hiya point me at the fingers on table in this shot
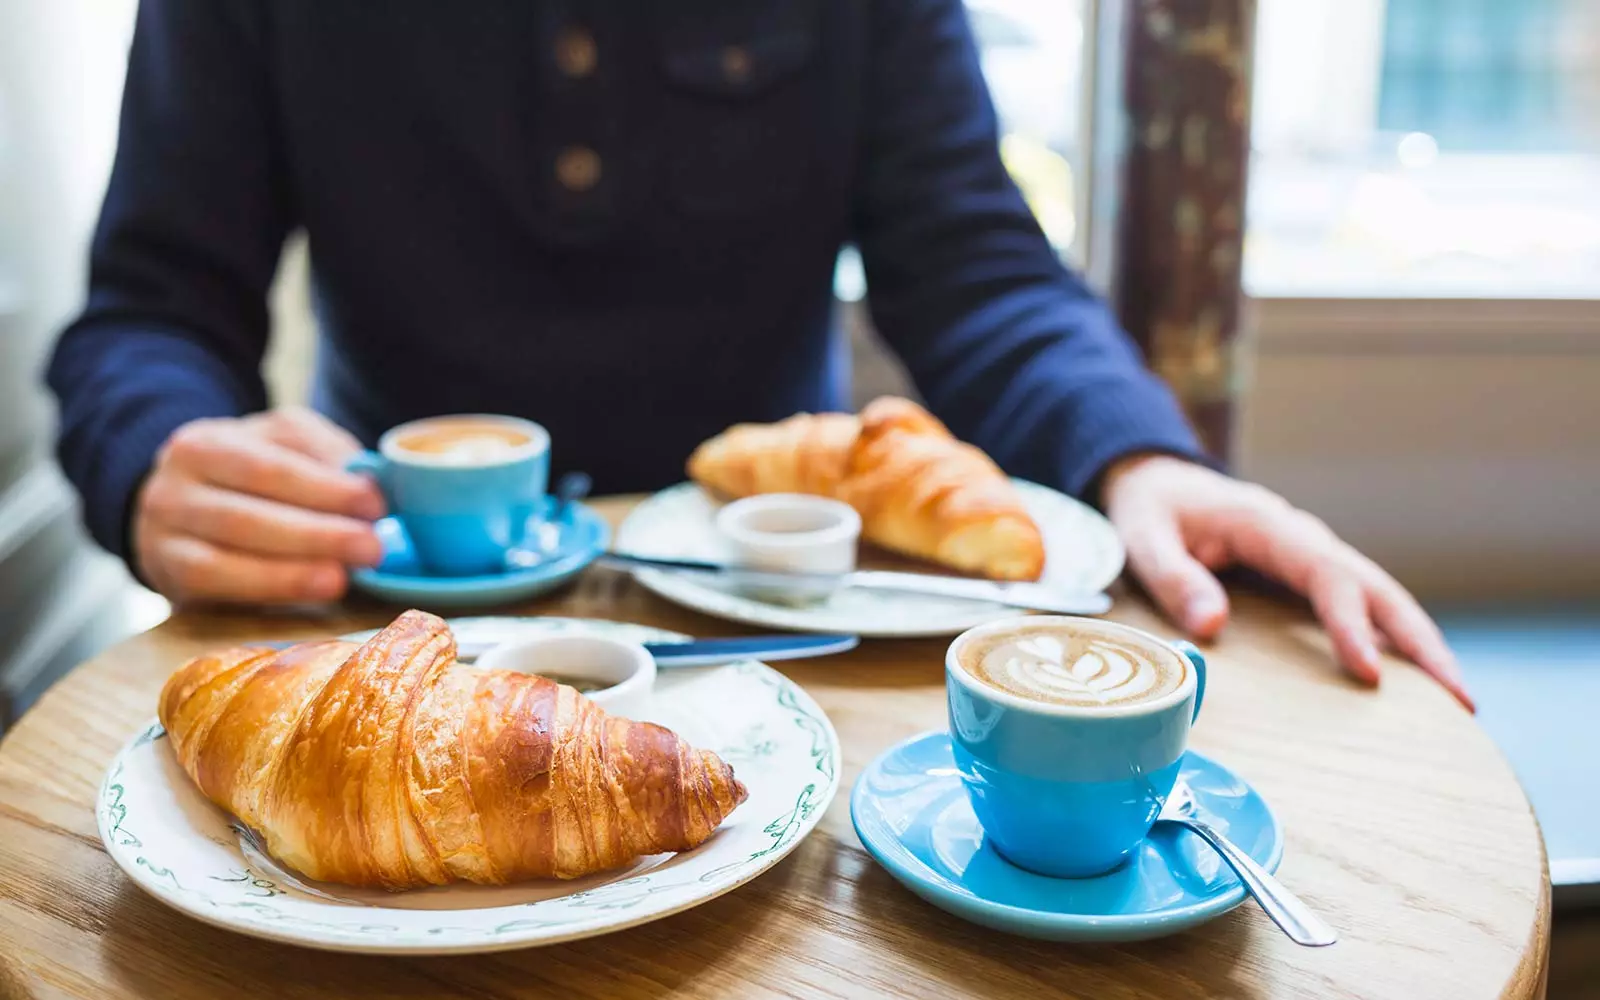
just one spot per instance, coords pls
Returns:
(1416, 636)
(1301, 551)
(1340, 602)
(1183, 586)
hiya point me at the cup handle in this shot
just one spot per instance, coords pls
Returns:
(372, 464)
(1195, 657)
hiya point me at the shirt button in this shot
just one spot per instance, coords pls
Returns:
(576, 53)
(578, 168)
(736, 64)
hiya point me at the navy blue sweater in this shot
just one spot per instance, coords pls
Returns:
(619, 218)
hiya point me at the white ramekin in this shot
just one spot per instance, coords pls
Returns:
(627, 669)
(791, 533)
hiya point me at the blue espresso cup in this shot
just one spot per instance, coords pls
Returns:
(464, 500)
(1064, 790)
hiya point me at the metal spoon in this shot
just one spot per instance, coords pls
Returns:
(1284, 907)
(570, 489)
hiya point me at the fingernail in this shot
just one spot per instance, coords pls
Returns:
(1369, 654)
(1204, 611)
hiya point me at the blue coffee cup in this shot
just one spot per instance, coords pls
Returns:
(1064, 790)
(463, 509)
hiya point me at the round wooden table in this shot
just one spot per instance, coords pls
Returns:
(1406, 831)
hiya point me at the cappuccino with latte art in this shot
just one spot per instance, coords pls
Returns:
(1081, 666)
(1069, 734)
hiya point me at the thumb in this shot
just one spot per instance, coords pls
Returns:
(1177, 581)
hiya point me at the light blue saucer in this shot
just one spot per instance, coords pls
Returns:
(581, 536)
(911, 813)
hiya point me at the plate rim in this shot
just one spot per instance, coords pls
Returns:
(340, 941)
(664, 585)
(1085, 926)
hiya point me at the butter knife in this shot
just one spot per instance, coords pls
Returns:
(694, 653)
(1029, 596)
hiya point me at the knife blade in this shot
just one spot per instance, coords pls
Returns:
(694, 653)
(1029, 596)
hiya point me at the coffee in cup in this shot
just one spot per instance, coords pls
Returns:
(1079, 667)
(1069, 734)
(463, 440)
(466, 488)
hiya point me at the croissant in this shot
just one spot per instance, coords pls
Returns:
(389, 764)
(919, 490)
(805, 453)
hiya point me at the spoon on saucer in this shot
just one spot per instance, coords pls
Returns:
(570, 489)
(1286, 909)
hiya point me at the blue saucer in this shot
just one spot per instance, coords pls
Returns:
(911, 813)
(582, 536)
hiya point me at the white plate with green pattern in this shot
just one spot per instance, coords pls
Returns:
(1083, 555)
(191, 855)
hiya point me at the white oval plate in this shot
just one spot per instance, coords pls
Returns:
(1083, 555)
(194, 857)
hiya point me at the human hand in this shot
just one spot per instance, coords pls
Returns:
(1181, 521)
(255, 509)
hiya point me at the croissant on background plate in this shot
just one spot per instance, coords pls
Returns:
(389, 764)
(919, 490)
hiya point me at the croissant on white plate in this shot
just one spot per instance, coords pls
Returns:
(387, 763)
(918, 490)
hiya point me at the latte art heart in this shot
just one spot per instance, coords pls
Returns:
(1073, 668)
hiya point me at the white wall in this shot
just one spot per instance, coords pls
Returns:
(62, 64)
(1468, 463)
(61, 70)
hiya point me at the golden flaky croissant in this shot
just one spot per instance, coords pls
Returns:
(806, 453)
(389, 764)
(919, 490)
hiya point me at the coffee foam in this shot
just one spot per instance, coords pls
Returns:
(1072, 667)
(463, 442)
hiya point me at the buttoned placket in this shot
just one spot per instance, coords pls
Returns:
(576, 119)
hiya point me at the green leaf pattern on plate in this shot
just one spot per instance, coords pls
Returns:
(253, 898)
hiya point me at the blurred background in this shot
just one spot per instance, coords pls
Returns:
(1417, 357)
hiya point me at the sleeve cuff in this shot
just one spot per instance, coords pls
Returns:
(124, 463)
(1126, 417)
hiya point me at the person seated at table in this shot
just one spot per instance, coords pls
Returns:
(622, 222)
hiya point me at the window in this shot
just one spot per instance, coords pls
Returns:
(1491, 77)
(1032, 54)
(1033, 60)
(1426, 148)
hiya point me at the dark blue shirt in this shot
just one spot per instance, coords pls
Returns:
(619, 218)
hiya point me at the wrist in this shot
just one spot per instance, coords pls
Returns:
(1128, 467)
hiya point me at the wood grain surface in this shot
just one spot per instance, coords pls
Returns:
(1406, 830)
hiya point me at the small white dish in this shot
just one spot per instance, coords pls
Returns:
(614, 673)
(791, 533)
